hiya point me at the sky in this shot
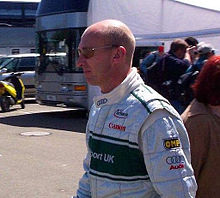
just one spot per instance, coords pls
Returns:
(211, 4)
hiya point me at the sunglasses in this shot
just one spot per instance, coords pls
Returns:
(89, 52)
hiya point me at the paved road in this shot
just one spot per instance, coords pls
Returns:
(41, 166)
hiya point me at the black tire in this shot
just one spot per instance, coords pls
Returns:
(22, 105)
(5, 104)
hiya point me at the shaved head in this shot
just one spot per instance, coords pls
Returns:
(107, 49)
(114, 32)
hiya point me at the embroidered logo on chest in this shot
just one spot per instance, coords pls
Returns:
(120, 114)
(102, 101)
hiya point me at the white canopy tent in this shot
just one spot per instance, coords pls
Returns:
(161, 20)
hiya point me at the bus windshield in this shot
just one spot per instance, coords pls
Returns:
(58, 50)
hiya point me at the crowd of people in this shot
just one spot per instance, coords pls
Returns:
(138, 144)
(175, 71)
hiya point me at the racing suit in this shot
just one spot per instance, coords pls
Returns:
(137, 146)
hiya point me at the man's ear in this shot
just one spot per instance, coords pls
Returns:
(120, 53)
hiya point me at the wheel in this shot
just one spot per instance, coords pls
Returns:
(22, 105)
(5, 104)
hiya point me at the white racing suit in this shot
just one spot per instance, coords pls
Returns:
(137, 146)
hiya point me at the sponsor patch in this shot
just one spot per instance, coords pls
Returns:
(116, 126)
(175, 159)
(101, 101)
(120, 114)
(171, 143)
(103, 157)
(174, 167)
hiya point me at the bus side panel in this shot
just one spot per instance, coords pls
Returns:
(62, 89)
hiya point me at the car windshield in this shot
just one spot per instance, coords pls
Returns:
(4, 62)
(2, 59)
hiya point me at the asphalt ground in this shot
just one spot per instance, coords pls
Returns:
(41, 151)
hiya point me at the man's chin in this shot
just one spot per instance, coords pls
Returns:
(91, 82)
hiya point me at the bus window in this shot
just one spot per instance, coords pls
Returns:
(58, 50)
(77, 35)
(53, 57)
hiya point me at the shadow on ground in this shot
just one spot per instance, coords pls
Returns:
(73, 121)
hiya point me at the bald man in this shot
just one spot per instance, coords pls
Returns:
(137, 144)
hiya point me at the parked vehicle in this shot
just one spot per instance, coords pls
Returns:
(11, 91)
(59, 27)
(25, 63)
(2, 59)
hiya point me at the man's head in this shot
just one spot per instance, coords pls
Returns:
(191, 41)
(178, 48)
(192, 49)
(105, 53)
(205, 49)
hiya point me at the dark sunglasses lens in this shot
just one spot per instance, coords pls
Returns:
(86, 52)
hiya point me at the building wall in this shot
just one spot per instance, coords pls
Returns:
(17, 27)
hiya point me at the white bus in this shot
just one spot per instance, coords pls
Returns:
(59, 26)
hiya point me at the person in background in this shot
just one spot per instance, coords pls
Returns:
(205, 51)
(192, 42)
(150, 59)
(137, 143)
(202, 121)
(170, 67)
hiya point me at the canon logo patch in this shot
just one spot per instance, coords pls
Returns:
(117, 127)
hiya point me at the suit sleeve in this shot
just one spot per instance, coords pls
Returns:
(165, 146)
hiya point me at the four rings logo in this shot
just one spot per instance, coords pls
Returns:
(120, 114)
(175, 162)
(176, 159)
(171, 143)
(102, 101)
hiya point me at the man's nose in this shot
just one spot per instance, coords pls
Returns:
(80, 61)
